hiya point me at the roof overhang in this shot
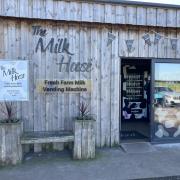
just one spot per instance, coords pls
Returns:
(137, 3)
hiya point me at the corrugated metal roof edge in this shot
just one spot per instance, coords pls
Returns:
(148, 4)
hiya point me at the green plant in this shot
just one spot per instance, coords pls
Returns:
(84, 112)
(8, 110)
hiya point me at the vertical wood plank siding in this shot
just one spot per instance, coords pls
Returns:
(91, 12)
(88, 43)
(86, 27)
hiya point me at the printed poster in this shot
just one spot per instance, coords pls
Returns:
(14, 80)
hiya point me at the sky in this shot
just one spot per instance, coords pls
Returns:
(175, 2)
(167, 71)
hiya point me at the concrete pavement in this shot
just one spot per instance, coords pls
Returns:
(110, 164)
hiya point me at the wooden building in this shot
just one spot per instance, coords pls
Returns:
(106, 35)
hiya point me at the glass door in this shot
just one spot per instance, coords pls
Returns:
(165, 100)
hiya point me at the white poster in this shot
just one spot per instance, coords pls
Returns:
(14, 80)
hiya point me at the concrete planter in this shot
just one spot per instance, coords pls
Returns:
(10, 146)
(84, 139)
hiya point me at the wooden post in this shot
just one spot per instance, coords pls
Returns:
(84, 139)
(10, 145)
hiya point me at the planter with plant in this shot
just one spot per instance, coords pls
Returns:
(84, 134)
(10, 132)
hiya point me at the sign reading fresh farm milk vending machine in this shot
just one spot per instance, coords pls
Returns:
(14, 80)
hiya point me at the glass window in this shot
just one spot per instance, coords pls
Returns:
(167, 101)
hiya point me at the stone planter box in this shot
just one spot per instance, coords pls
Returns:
(10, 146)
(84, 139)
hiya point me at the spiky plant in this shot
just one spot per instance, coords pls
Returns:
(83, 109)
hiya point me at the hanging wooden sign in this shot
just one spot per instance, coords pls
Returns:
(174, 44)
(146, 38)
(157, 38)
(111, 38)
(129, 44)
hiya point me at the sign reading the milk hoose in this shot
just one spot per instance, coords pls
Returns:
(14, 80)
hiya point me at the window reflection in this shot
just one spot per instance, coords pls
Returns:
(167, 100)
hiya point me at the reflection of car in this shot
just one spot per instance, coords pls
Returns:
(166, 96)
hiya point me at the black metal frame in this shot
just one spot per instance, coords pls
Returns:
(152, 72)
(153, 139)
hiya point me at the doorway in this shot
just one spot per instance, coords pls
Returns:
(135, 100)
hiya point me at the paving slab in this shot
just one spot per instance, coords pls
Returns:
(138, 147)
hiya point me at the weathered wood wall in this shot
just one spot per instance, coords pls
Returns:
(87, 42)
(91, 12)
(43, 113)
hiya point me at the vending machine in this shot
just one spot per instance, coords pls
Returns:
(135, 93)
